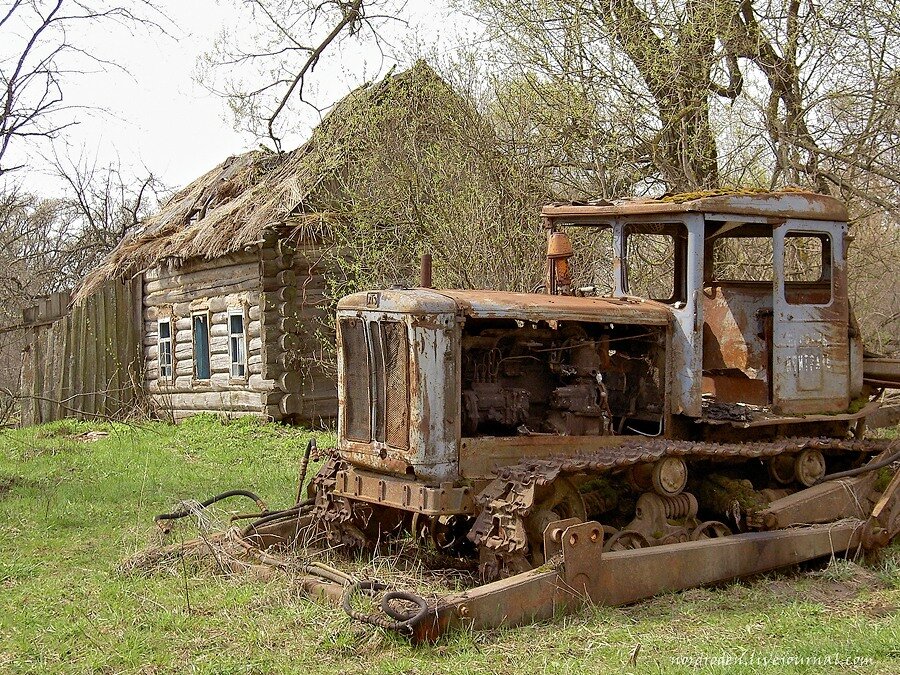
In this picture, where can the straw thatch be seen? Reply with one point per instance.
(237, 203)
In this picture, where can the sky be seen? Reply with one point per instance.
(156, 117)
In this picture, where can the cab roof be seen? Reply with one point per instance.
(774, 205)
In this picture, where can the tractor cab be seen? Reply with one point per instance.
(756, 283)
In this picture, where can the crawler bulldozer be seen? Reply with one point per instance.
(681, 402)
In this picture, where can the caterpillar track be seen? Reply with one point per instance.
(510, 514)
(513, 501)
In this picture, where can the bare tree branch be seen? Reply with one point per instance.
(266, 71)
(38, 56)
(350, 16)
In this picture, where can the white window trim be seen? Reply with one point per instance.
(170, 377)
(203, 313)
(241, 312)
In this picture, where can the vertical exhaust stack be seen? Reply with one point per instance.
(425, 273)
(559, 272)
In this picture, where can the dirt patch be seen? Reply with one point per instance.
(831, 594)
(840, 584)
(7, 483)
(91, 436)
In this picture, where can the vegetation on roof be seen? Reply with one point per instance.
(390, 155)
(682, 197)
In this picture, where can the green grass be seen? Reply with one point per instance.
(72, 509)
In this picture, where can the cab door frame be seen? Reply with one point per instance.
(810, 345)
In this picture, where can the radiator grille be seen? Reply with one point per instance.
(395, 343)
(357, 393)
(376, 381)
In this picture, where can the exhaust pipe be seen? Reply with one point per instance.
(425, 274)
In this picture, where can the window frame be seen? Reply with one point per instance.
(232, 336)
(201, 314)
(169, 341)
(790, 289)
(678, 232)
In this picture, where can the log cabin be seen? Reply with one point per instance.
(235, 312)
(233, 326)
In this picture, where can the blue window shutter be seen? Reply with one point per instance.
(201, 347)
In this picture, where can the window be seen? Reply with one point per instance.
(201, 345)
(655, 261)
(807, 268)
(743, 259)
(237, 343)
(592, 262)
(164, 349)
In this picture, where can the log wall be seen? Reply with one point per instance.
(212, 287)
(282, 291)
(294, 326)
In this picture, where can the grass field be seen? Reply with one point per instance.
(72, 507)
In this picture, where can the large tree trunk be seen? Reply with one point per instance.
(678, 77)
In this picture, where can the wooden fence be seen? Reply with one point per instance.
(85, 360)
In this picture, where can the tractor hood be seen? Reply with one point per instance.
(503, 305)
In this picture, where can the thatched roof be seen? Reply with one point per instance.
(234, 205)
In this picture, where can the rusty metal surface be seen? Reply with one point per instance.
(399, 493)
(501, 304)
(686, 352)
(766, 418)
(736, 341)
(775, 205)
(822, 503)
(395, 340)
(524, 598)
(886, 512)
(480, 458)
(733, 388)
(810, 343)
(528, 306)
(623, 577)
(882, 372)
(420, 436)
(574, 379)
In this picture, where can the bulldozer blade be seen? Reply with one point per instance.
(586, 575)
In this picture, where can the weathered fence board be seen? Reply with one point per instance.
(84, 360)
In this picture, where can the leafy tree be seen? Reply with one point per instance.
(712, 92)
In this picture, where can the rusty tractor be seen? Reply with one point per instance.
(698, 419)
